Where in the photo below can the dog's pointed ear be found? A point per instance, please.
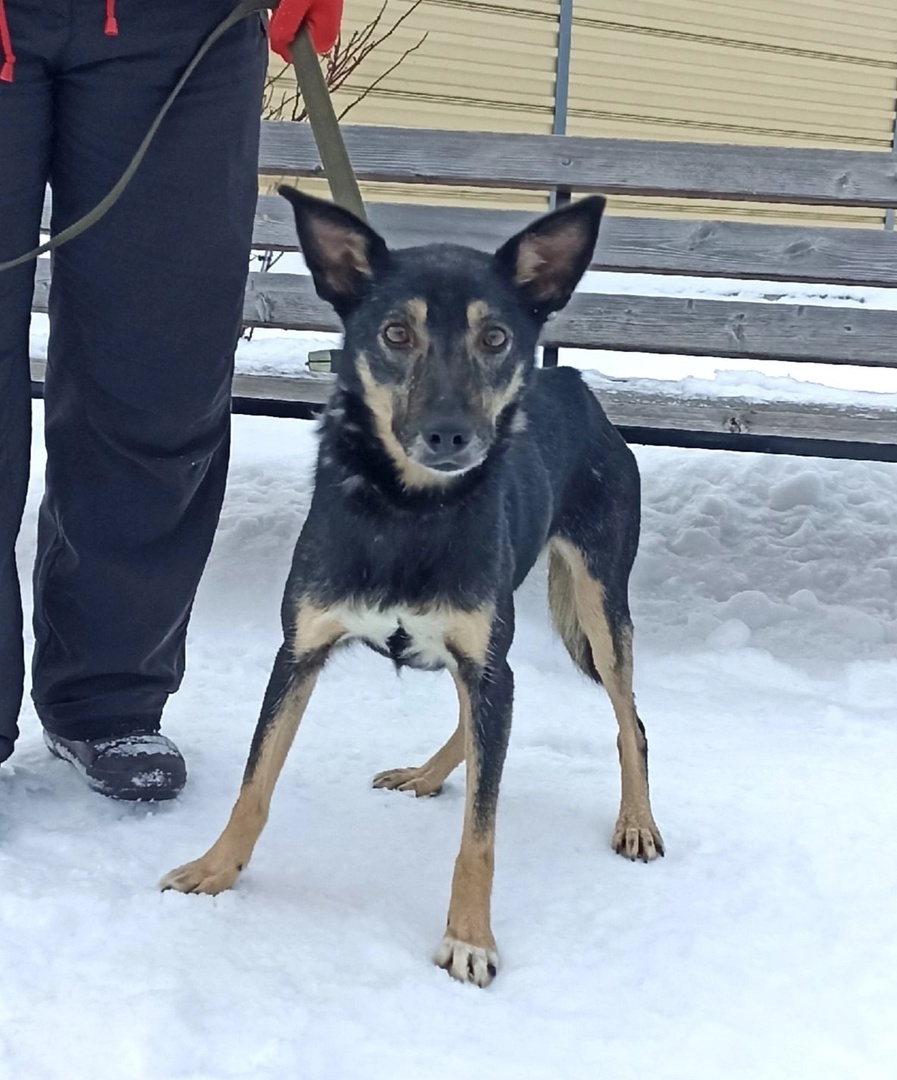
(343, 254)
(545, 261)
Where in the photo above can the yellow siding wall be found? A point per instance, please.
(799, 72)
(484, 66)
(775, 72)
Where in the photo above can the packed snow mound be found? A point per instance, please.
(763, 947)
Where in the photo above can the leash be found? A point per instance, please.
(325, 127)
(321, 116)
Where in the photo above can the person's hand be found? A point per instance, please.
(322, 17)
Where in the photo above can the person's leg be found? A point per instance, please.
(25, 119)
(145, 310)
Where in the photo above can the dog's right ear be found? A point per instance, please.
(342, 252)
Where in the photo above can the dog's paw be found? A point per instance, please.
(637, 837)
(205, 875)
(420, 781)
(467, 963)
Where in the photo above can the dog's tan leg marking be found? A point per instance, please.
(315, 628)
(468, 950)
(222, 864)
(576, 595)
(427, 779)
(468, 633)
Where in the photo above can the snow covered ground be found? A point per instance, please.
(764, 945)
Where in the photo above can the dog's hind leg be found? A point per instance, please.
(289, 688)
(427, 779)
(598, 636)
(468, 636)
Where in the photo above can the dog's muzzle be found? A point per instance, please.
(448, 444)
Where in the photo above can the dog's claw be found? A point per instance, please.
(637, 840)
(417, 780)
(467, 963)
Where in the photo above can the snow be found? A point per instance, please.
(763, 946)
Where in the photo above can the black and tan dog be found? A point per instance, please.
(447, 463)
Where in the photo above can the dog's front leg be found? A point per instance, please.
(486, 694)
(289, 688)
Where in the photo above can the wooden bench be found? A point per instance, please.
(723, 328)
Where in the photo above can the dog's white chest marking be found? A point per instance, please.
(416, 637)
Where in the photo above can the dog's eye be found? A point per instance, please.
(495, 338)
(396, 334)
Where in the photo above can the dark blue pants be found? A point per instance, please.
(144, 316)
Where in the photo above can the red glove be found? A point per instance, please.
(322, 17)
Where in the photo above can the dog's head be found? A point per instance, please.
(440, 340)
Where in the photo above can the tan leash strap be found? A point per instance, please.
(321, 115)
(325, 127)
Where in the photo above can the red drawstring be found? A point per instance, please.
(9, 57)
(111, 21)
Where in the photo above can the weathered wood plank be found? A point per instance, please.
(732, 249)
(830, 256)
(833, 256)
(612, 166)
(286, 302)
(630, 405)
(734, 329)
(657, 324)
(41, 286)
(311, 386)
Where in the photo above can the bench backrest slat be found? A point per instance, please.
(642, 245)
(731, 249)
(671, 325)
(659, 324)
(612, 166)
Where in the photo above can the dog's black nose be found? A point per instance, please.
(448, 443)
(448, 435)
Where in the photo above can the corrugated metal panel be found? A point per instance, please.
(489, 65)
(623, 83)
(852, 32)
(807, 73)
(810, 72)
(804, 73)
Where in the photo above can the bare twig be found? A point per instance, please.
(373, 86)
(340, 65)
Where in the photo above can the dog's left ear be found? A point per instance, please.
(545, 261)
(342, 252)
